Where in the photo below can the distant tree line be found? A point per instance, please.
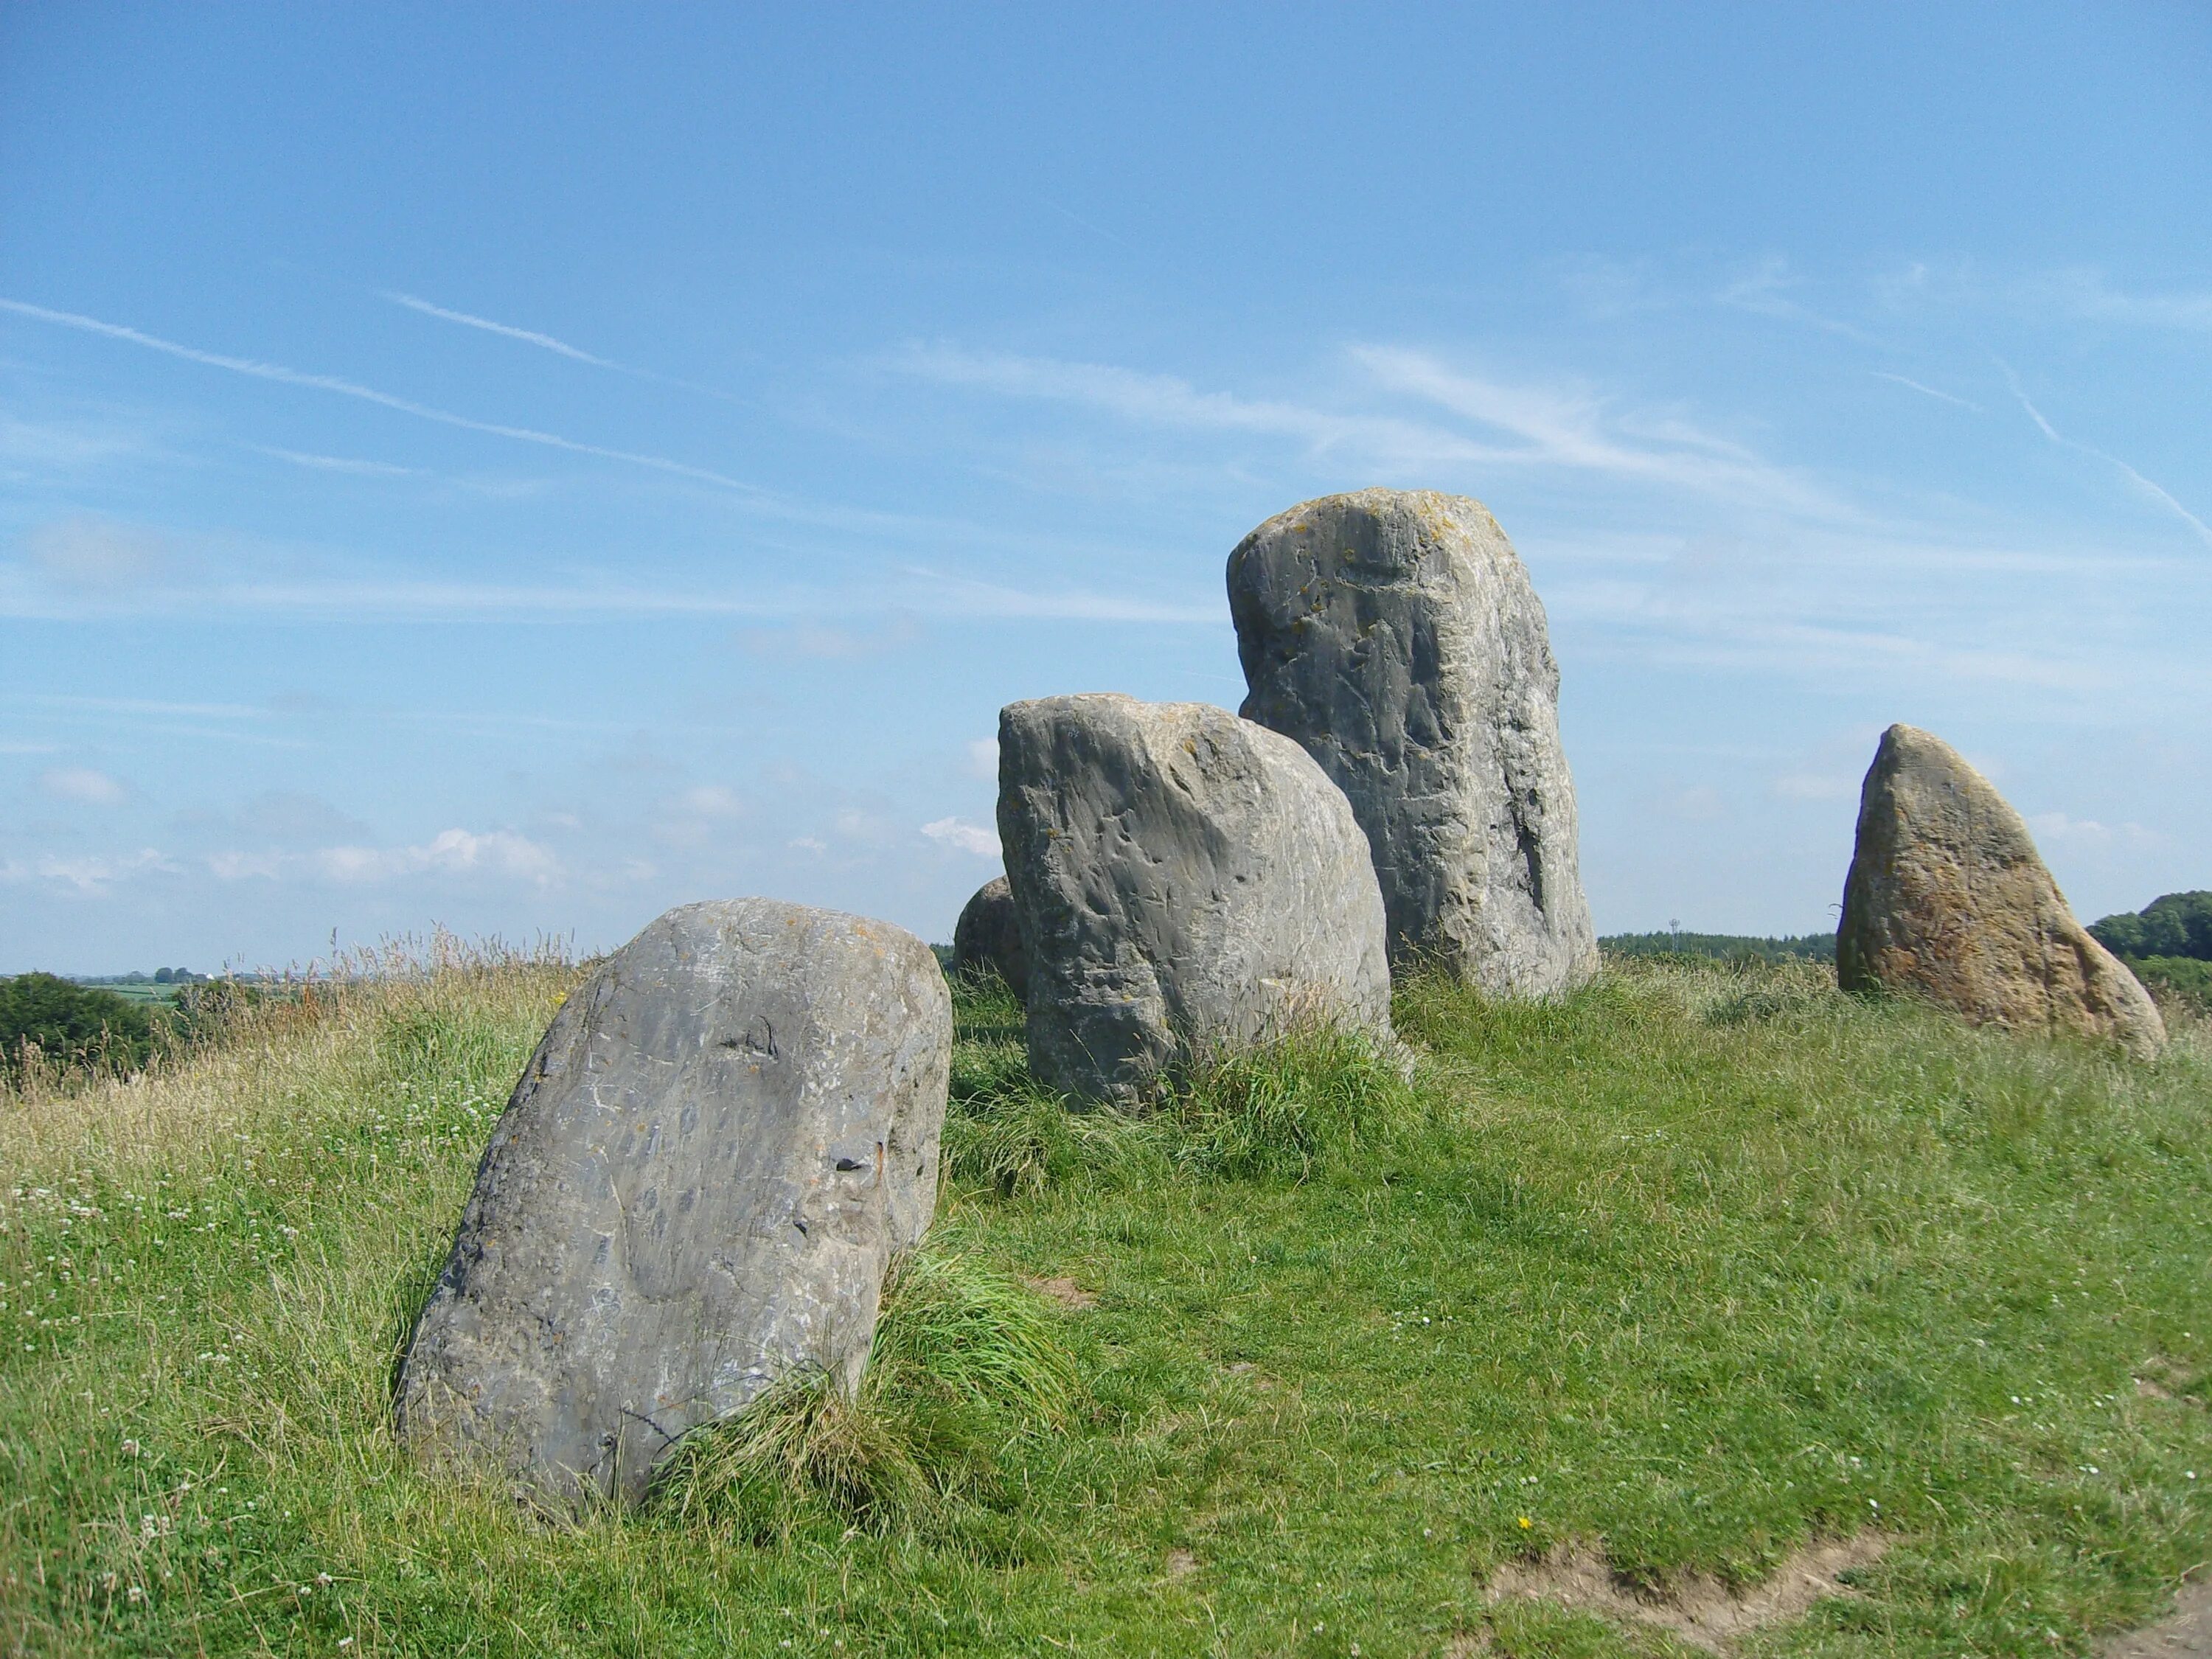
(2168, 943)
(80, 1027)
(1724, 947)
(2178, 925)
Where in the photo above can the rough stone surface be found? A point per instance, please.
(1394, 635)
(1184, 880)
(720, 1143)
(989, 935)
(1948, 900)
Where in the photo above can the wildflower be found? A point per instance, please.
(1526, 1524)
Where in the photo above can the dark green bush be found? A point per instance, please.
(71, 1025)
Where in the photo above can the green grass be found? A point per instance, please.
(1701, 1262)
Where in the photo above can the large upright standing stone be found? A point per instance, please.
(1394, 635)
(1948, 900)
(1184, 880)
(719, 1145)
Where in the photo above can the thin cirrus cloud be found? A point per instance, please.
(543, 341)
(345, 388)
(1926, 390)
(527, 336)
(1547, 427)
(2144, 487)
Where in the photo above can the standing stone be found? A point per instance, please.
(1948, 900)
(1184, 880)
(988, 936)
(1394, 635)
(722, 1140)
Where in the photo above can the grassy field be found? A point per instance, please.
(1695, 1266)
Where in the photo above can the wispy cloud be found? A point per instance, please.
(527, 336)
(543, 341)
(344, 388)
(1925, 391)
(1763, 290)
(1168, 401)
(338, 464)
(2144, 487)
(1579, 431)
(1546, 426)
(2086, 293)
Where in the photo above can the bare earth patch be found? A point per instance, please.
(1181, 1563)
(2188, 1632)
(1698, 1608)
(1065, 1291)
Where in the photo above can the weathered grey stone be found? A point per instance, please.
(1394, 635)
(1183, 880)
(989, 935)
(720, 1143)
(1948, 900)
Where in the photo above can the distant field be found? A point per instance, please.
(1696, 1266)
(1802, 947)
(137, 990)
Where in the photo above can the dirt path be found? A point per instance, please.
(2188, 1632)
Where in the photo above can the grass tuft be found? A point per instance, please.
(964, 1359)
(1282, 1107)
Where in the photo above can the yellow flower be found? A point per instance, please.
(1526, 1524)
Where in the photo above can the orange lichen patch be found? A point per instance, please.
(1697, 1608)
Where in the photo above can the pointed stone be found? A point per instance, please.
(1948, 901)
(722, 1140)
(1395, 635)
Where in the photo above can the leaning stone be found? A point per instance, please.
(1394, 635)
(720, 1143)
(1184, 881)
(1948, 901)
(989, 937)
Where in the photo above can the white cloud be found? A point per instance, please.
(451, 852)
(83, 785)
(2088, 835)
(496, 852)
(966, 837)
(712, 801)
(983, 759)
(90, 876)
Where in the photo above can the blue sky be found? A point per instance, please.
(518, 469)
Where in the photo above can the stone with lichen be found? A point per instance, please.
(1948, 901)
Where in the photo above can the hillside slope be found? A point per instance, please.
(1695, 1266)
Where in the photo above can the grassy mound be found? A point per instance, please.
(1696, 1266)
